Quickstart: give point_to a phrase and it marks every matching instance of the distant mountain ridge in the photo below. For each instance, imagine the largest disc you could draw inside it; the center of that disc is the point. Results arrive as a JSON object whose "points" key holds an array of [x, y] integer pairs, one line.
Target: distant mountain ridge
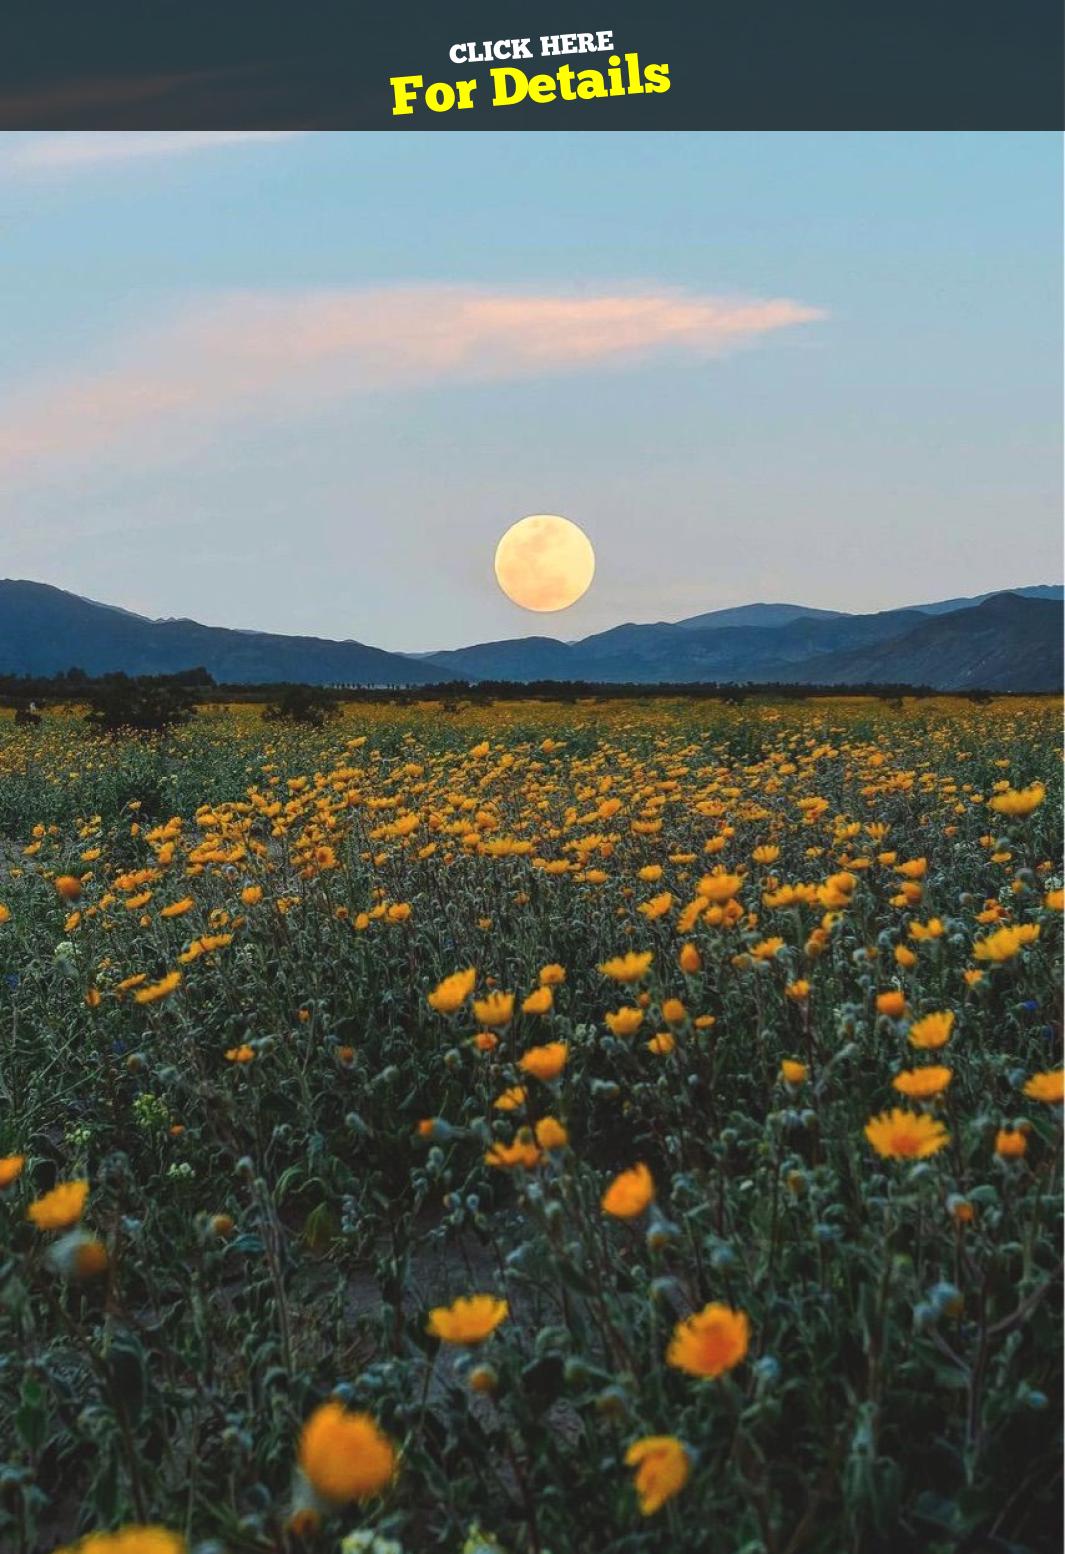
{"points": [[755, 615], [44, 630], [1006, 643], [1035, 591], [809, 646], [1009, 641]]}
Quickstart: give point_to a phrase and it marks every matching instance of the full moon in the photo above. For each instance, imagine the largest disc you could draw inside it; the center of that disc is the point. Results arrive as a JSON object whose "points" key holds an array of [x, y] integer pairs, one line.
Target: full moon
{"points": [[544, 562]]}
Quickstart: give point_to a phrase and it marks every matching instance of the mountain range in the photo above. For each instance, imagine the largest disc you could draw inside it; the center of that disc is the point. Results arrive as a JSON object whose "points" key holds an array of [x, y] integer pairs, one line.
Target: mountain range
{"points": [[1008, 641]]}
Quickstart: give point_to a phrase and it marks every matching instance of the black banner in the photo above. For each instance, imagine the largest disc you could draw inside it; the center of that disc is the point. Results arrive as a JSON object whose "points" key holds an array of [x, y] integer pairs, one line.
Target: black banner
{"points": [[740, 64]]}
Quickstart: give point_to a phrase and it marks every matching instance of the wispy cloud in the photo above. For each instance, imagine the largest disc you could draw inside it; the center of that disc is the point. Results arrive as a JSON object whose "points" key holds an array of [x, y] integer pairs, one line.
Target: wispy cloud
{"points": [[291, 354], [257, 92], [72, 150]]}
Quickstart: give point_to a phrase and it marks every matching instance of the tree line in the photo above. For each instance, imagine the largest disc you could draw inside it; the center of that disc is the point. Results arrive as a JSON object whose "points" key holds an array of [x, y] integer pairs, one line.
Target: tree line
{"points": [[152, 702]]}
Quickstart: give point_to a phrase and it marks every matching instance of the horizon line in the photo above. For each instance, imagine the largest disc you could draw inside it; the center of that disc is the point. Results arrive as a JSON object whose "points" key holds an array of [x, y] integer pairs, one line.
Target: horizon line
{"points": [[429, 653]]}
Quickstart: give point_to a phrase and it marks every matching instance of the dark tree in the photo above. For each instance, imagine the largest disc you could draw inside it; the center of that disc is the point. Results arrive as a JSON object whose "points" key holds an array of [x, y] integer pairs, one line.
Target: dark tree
{"points": [[142, 706], [302, 704]]}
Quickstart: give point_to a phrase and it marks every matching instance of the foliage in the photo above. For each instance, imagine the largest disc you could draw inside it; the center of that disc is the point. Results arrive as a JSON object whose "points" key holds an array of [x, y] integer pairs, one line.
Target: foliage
{"points": [[149, 704], [229, 1005], [303, 704]]}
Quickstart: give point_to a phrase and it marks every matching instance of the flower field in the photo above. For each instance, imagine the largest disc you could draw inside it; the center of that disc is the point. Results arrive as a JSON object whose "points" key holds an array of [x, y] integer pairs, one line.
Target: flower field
{"points": [[542, 1128]]}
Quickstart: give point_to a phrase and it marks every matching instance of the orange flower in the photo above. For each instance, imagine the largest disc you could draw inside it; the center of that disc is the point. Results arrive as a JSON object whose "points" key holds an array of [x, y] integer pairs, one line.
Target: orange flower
{"points": [[933, 929], [538, 1002], [903, 1135], [344, 1456], [10, 1169], [449, 995], [468, 1320], [157, 990], [719, 886], [921, 1084], [550, 1134], [632, 967], [625, 1022], [1048, 1087], [1018, 801], [1010, 1143], [68, 886], [60, 1208], [711, 1342], [1006, 942], [932, 1030], [629, 1193], [662, 1470], [134, 1538], [545, 1062], [495, 1010], [511, 1099], [689, 960], [892, 1003], [523, 1152]]}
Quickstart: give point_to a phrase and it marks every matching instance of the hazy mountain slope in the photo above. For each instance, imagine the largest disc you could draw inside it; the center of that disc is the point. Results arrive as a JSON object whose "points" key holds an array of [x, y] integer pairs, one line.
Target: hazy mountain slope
{"points": [[1035, 591], [754, 615], [672, 652], [515, 658], [44, 630], [727, 652], [1006, 643]]}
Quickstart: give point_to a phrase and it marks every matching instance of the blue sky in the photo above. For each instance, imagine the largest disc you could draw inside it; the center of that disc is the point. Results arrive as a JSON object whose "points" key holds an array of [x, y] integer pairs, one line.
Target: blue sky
{"points": [[302, 383]]}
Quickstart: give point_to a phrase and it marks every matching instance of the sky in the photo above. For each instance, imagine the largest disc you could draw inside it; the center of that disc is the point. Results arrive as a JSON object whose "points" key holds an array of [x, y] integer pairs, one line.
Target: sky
{"points": [[304, 382]]}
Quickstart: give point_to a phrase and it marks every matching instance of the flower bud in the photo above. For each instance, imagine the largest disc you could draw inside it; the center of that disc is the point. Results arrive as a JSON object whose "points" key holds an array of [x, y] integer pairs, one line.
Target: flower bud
{"points": [[947, 1299], [612, 1403], [483, 1378], [78, 1255], [576, 1372]]}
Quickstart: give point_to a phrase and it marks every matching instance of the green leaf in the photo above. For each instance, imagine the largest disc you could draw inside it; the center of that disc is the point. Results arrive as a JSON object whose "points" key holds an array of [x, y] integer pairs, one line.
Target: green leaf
{"points": [[320, 1228], [31, 1416]]}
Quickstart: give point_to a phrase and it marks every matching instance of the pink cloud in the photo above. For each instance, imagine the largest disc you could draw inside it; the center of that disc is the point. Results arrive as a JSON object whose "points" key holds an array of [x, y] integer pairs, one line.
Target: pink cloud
{"points": [[72, 149], [250, 355]]}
